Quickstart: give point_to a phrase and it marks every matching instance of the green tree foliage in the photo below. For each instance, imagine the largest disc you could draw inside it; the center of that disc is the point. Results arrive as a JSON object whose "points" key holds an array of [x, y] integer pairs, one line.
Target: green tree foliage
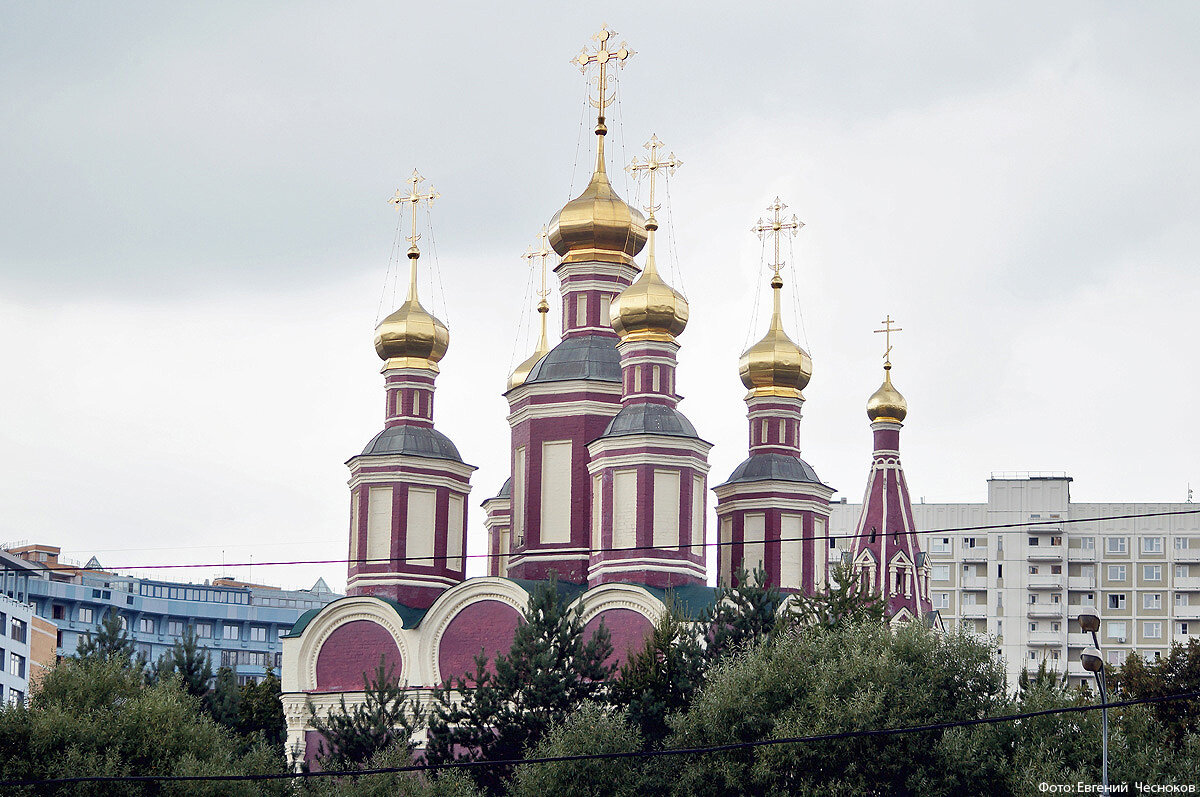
{"points": [[662, 677], [452, 783], [386, 718], [1177, 673], [843, 602], [741, 615], [224, 702], [111, 641], [591, 729], [96, 716], [189, 662], [260, 712], [828, 680], [549, 672]]}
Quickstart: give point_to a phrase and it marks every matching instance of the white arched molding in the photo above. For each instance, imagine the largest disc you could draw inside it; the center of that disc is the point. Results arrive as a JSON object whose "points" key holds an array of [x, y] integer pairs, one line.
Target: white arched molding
{"points": [[450, 603], [619, 596], [337, 614]]}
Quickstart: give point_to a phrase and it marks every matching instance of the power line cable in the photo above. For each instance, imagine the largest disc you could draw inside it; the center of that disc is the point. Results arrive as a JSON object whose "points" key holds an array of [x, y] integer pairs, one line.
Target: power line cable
{"points": [[676, 751], [672, 547]]}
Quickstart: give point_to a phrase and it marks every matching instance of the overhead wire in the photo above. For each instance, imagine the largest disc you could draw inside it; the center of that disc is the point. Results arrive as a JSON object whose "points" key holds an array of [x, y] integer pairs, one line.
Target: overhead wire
{"points": [[1014, 526], [622, 755]]}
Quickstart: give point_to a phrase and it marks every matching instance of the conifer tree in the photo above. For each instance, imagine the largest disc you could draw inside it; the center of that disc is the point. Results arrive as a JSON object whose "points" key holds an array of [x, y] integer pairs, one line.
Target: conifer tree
{"points": [[842, 603], [224, 701], [741, 615], [260, 711], [387, 717], [550, 671], [111, 641], [189, 661]]}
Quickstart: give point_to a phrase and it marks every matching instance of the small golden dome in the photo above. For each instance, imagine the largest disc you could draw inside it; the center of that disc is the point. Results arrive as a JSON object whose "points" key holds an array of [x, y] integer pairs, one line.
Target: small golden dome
{"points": [[775, 366], [522, 371], [598, 225], [649, 309], [411, 337], [886, 403]]}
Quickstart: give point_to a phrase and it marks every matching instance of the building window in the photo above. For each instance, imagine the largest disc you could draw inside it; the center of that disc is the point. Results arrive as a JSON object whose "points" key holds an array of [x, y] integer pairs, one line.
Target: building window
{"points": [[17, 630], [1116, 572], [1116, 630], [16, 697], [1181, 543], [16, 665], [1116, 544], [175, 627], [1183, 628], [1152, 572], [941, 572], [1116, 600], [1087, 543], [1117, 657], [231, 632], [1034, 542], [1033, 628], [939, 545], [1088, 599], [941, 600], [1152, 630], [1152, 600], [258, 633], [58, 612], [85, 614], [1152, 544], [1033, 570], [968, 542], [146, 625], [1033, 599], [1181, 571], [204, 630], [1181, 599]]}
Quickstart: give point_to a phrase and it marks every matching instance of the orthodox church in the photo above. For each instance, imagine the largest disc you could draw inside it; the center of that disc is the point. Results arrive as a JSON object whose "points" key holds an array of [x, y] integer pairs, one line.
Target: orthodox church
{"points": [[609, 479]]}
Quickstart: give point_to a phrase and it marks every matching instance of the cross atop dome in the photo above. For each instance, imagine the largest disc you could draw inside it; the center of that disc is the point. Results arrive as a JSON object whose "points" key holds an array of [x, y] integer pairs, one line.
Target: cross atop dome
{"points": [[650, 167], [887, 331], [414, 197], [600, 57], [776, 226]]}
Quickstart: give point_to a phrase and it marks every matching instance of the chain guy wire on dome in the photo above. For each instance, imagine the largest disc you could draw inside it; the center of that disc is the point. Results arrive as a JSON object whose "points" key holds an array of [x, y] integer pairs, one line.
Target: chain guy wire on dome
{"points": [[675, 751], [1001, 527]]}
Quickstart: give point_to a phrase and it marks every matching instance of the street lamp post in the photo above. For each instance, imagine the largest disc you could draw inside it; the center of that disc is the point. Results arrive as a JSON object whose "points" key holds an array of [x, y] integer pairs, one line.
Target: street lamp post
{"points": [[1089, 621]]}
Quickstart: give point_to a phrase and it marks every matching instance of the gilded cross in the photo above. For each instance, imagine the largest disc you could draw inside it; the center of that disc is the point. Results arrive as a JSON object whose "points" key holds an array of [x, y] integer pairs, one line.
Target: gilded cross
{"points": [[887, 331], [650, 167], [776, 226], [414, 197], [542, 252], [601, 56]]}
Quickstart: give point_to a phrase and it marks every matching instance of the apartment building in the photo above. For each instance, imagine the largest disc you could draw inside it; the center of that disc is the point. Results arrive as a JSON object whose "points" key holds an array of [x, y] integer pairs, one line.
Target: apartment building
{"points": [[239, 624], [26, 649], [1025, 585]]}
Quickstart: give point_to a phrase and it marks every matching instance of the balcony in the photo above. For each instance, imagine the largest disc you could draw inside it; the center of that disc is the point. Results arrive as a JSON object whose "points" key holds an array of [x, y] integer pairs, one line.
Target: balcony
{"points": [[1081, 554], [1052, 610], [1045, 639], [1182, 639], [1186, 613], [1079, 639], [1081, 582], [1186, 582], [1045, 553], [974, 582], [1044, 580], [974, 611], [1186, 555], [979, 554]]}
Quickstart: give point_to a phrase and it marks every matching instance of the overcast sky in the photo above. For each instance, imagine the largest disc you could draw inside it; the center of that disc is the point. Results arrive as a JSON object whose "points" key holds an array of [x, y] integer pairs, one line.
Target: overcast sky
{"points": [[195, 239]]}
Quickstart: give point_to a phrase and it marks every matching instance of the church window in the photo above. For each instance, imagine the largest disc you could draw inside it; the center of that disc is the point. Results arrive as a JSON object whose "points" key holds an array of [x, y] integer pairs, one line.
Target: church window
{"points": [[605, 303], [666, 508], [753, 537], [581, 314], [637, 379], [454, 533], [624, 509], [556, 492], [518, 496], [379, 523], [419, 526], [655, 379]]}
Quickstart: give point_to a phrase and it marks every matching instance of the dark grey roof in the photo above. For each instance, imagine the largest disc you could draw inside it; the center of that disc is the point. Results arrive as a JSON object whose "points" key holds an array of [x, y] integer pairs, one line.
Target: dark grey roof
{"points": [[417, 441], [505, 489], [773, 467], [649, 419], [584, 357]]}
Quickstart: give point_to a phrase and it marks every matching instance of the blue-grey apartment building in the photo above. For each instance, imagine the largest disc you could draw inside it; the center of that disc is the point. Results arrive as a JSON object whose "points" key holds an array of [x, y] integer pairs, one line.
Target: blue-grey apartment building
{"points": [[239, 624]]}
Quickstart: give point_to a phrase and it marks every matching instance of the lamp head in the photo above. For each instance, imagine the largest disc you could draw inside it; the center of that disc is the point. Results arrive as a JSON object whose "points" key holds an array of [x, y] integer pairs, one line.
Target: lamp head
{"points": [[1090, 658], [1089, 621]]}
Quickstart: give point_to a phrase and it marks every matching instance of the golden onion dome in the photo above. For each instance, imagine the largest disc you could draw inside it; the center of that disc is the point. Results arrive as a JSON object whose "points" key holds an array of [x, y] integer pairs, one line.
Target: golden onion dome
{"points": [[649, 309], [886, 403], [522, 371], [598, 225], [775, 366], [411, 337]]}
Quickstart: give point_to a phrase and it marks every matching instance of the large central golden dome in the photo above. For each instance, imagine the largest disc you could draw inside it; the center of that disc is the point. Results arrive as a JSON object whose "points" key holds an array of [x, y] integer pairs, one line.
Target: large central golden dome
{"points": [[776, 365], [598, 225]]}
